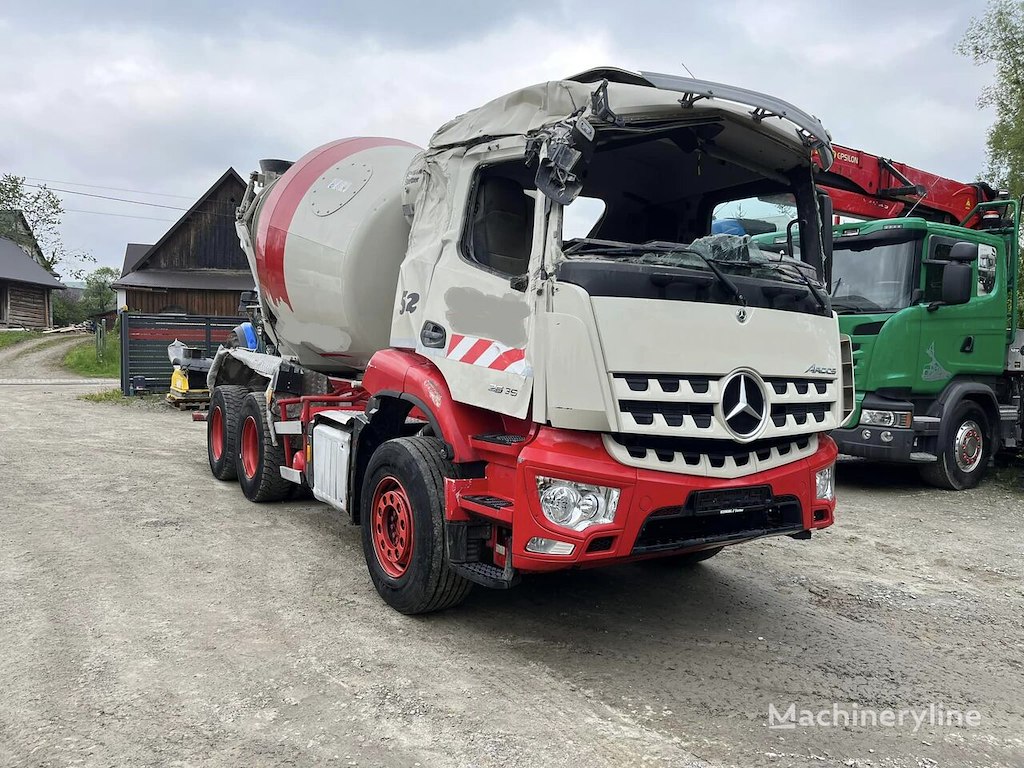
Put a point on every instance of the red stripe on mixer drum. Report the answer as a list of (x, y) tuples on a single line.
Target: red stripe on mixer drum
[(283, 200)]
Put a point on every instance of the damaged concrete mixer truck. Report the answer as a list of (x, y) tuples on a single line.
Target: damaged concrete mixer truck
[(529, 346)]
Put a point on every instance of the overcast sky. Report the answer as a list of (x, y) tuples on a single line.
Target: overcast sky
[(161, 97)]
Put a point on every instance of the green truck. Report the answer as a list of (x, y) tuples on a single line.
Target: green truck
[(926, 287), (925, 282), (931, 310)]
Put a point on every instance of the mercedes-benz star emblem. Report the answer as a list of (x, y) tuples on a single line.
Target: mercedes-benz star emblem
[(744, 407)]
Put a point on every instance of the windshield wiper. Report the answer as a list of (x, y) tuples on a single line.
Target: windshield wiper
[(579, 244), (658, 246), (796, 272), (856, 304)]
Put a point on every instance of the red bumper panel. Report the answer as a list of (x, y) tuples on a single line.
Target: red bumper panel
[(660, 512)]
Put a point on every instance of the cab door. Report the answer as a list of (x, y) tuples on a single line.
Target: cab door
[(479, 323), (969, 338)]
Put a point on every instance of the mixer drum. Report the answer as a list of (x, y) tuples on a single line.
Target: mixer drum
[(328, 238)]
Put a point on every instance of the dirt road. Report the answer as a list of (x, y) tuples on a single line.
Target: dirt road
[(149, 615), (39, 359)]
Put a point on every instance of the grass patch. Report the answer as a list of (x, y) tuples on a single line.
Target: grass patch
[(10, 338), (106, 396), (137, 401), (81, 359)]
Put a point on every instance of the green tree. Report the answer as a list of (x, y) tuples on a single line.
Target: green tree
[(43, 211), (98, 295), (66, 311), (997, 38)]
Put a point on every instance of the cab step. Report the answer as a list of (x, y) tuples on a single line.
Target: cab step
[(487, 575), (491, 507)]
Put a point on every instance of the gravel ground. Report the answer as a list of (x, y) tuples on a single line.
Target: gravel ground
[(150, 615)]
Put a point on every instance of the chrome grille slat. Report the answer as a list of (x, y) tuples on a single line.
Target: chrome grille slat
[(685, 405), (733, 460)]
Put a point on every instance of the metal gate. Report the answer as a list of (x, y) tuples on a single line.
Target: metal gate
[(144, 339)]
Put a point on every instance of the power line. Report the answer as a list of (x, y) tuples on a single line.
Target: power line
[(125, 200), (100, 186), (107, 197), (120, 215)]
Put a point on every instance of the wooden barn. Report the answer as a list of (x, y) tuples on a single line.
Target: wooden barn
[(197, 267), (25, 285)]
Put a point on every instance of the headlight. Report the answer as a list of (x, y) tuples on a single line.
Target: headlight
[(824, 483), (901, 419), (576, 505)]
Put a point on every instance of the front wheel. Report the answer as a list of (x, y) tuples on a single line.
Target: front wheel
[(963, 458), (402, 516)]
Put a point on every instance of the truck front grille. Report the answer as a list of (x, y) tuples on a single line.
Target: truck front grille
[(675, 405), (708, 458)]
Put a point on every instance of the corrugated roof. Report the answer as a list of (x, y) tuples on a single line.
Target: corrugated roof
[(134, 253), (208, 279), (17, 266)]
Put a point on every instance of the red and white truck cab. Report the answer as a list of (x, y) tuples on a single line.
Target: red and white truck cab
[(489, 394)]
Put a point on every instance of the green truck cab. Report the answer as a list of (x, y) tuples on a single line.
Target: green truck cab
[(931, 310)]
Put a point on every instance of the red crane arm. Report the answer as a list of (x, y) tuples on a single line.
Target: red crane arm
[(865, 185)]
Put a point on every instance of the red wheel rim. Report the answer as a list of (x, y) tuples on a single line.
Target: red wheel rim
[(250, 447), (217, 433), (392, 527)]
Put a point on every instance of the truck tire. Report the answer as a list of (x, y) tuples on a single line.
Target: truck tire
[(963, 459), (258, 461), (402, 515), (222, 430)]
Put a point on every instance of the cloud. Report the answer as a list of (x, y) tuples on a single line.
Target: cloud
[(143, 111), (163, 96)]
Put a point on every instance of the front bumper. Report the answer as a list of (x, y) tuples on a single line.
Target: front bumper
[(912, 445), (867, 443), (654, 515)]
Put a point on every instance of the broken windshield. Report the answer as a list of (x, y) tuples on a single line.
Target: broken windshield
[(735, 254)]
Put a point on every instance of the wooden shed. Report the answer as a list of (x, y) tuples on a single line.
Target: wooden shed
[(25, 288), (197, 267)]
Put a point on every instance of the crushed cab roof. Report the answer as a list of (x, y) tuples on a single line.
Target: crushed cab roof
[(634, 96)]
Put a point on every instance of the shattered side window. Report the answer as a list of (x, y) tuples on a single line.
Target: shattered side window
[(499, 232)]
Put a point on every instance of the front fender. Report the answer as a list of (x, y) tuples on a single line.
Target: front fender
[(410, 377), (957, 392)]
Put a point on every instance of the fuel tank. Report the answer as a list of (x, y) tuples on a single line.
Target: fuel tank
[(325, 241)]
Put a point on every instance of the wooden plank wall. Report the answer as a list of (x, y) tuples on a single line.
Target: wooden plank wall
[(27, 305), (191, 301), (207, 240)]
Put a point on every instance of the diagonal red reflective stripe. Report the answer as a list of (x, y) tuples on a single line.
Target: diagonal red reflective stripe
[(454, 341), (474, 352), (505, 359)]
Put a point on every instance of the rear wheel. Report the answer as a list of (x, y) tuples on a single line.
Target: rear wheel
[(222, 430), (963, 458), (258, 461), (402, 516)]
